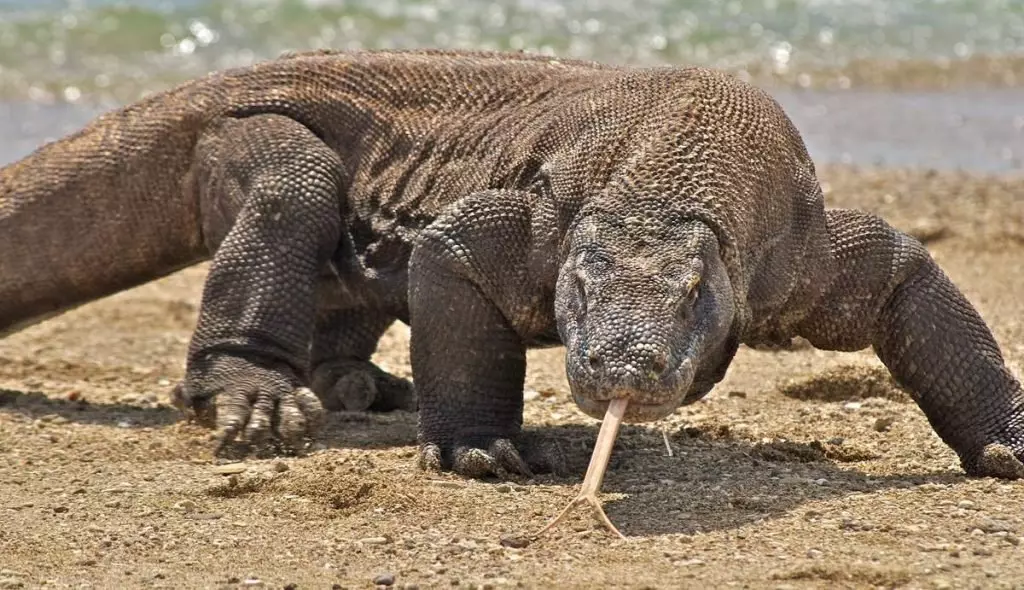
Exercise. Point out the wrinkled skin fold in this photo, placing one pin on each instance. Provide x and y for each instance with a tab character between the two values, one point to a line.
652	220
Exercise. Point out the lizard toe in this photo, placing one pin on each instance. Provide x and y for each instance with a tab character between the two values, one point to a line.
431	458
997	460
358	386
477	463
509	459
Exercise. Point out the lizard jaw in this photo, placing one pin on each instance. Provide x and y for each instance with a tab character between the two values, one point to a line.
644	406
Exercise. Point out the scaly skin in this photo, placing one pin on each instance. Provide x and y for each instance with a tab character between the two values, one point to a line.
650	219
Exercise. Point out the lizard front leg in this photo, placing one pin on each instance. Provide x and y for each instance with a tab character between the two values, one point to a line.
473	295
270	191
890	293
343	376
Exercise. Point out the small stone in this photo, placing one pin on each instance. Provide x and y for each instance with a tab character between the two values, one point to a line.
814	553
942	584
966	505
530	394
884	423
441	483
252	582
386	579
928	230
738	394
281	466
853	405
503	488
186	506
230	468
374	541
981	551
129	398
60	509
514	541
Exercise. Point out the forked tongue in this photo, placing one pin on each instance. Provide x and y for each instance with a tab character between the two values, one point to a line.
598	465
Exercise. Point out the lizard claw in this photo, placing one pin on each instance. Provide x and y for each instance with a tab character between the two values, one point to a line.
500	459
244	400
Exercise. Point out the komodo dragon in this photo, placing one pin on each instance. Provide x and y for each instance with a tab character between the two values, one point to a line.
649	219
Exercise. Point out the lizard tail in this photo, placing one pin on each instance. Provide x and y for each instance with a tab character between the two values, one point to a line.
107	208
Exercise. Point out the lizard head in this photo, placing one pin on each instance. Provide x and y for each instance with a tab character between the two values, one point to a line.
645	310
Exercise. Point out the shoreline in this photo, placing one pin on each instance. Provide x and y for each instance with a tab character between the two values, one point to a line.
979	72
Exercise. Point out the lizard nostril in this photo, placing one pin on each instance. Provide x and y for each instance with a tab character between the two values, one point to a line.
594	360
659	364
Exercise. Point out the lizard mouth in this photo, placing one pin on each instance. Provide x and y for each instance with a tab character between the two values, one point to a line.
645	405
636	412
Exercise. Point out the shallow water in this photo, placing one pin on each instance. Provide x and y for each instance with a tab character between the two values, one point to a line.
980	131
60	58
105	45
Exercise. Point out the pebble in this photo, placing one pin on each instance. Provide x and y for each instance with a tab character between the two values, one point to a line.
503	488
230	468
884	423
447	484
966	505
281	466
814	553
514	541
990	525
374	541
530	394
385	579
186	506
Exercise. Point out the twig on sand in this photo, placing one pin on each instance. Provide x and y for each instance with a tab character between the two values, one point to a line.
598	465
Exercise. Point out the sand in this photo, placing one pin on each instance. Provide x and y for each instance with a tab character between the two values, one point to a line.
803	469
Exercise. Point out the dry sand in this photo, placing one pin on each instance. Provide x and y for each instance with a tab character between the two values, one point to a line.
803	469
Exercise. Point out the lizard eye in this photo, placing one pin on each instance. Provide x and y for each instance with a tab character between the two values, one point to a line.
692	294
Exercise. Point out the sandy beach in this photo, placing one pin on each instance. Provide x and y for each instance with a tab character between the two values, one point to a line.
803	469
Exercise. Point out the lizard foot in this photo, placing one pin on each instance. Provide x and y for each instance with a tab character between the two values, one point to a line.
361	385
497	457
997	460
246	400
